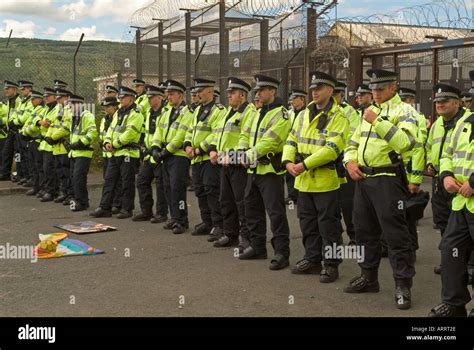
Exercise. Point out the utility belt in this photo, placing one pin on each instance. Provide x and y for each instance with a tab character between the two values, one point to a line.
395	169
368	170
273	159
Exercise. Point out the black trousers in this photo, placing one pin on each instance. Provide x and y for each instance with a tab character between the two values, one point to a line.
2	146
79	170
456	246
266	193
346	203
8	153
35	165
233	180
290	185
175	171
206	187
380	205
440	204
22	163
50	180
124	169
147	173
117	202
320	224
62	164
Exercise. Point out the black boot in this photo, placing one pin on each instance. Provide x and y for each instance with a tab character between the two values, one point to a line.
445	310
201	230
100	213
403	293
329	274
141	217
367	282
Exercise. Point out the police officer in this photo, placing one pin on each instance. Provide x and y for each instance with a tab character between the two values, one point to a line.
83	133
3	127
111	91
416	158
204	174
49	184
194	99
298	104
233	176
373	160
31	133
110	105
364	99
122	140
317	139
457	177
450	112
150	169
22	113
142	99
167	148
466	98
263	139
10	89
57	136
59	84
346	191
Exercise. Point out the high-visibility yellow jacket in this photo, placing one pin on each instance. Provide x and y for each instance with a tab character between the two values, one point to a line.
172	128
83	130
124	132
60	129
3	120
152	118
103	128
23	112
458	159
381	143
263	138
13	104
31	127
439	138
50	114
353	116
318	138
417	159
229	128
200	136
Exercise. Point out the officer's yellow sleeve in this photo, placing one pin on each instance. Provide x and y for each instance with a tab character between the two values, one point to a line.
89	126
428	146
33	129
354	120
3	114
291	146
446	161
210	141
351	151
335	142
177	141
245	132
63	129
272	140
417	162
132	130
401	137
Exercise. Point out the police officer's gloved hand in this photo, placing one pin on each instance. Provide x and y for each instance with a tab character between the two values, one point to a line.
76	145
164	154
11	124
67	145
155	153
49	140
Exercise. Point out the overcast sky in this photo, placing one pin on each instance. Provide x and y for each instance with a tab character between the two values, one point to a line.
107	19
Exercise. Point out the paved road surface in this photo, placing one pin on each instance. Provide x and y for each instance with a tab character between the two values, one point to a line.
162	269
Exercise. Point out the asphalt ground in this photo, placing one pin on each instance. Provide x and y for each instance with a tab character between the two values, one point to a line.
148	271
